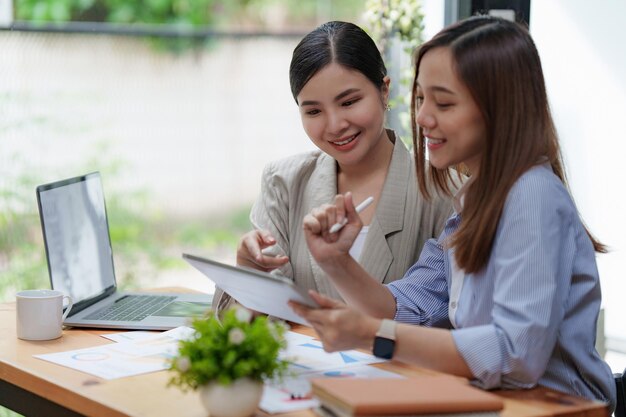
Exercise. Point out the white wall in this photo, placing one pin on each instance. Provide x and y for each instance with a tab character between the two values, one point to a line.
434	17
194	129
583	50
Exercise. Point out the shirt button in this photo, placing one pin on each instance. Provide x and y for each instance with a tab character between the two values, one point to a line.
453	304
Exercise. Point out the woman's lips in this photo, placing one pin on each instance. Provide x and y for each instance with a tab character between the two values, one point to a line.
434	143
346	143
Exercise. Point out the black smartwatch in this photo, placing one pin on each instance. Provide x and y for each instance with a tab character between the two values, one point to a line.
385	340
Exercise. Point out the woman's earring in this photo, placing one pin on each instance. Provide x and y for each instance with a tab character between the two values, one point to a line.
387	107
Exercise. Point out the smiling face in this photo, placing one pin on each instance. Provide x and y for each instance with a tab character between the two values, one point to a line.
451	121
343	113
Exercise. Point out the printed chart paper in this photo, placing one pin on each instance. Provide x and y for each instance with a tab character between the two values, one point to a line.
129	336
309	356
119	360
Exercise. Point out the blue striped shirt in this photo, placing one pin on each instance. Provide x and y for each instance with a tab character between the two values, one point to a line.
529	316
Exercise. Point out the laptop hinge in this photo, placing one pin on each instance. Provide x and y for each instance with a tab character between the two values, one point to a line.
81	305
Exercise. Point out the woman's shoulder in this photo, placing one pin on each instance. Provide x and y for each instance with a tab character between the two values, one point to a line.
540	187
540	177
295	165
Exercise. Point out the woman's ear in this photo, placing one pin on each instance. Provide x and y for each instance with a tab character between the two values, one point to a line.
385	90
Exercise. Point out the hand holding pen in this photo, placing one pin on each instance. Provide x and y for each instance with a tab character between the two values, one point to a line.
339	225
321	226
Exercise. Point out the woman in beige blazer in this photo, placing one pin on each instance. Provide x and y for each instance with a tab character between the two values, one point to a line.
340	84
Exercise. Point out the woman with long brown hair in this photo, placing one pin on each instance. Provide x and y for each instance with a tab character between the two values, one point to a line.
509	294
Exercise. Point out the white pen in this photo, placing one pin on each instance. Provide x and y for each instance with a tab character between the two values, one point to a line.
338	226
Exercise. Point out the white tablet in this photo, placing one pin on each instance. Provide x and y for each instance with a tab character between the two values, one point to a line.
256	290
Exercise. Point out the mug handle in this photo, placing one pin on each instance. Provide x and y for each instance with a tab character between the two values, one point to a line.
70	303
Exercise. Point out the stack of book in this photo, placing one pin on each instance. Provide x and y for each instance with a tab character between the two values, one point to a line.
427	395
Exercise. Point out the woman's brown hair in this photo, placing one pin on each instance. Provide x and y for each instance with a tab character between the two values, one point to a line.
498	62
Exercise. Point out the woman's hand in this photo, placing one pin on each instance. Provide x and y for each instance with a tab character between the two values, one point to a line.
249	251
338	326
329	247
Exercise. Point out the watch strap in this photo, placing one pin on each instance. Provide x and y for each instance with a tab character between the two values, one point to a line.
387	329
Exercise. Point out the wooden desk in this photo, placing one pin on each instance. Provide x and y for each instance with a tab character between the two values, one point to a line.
35	387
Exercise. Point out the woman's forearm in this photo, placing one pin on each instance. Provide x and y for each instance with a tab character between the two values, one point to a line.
431	348
426	347
359	289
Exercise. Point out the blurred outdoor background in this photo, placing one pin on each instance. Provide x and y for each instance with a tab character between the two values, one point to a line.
179	112
180	103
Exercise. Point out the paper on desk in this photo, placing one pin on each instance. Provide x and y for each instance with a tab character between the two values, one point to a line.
117	360
309	356
294	338
309	360
295	393
129	336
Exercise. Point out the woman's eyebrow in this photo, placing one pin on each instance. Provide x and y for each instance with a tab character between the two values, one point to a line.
435	89
345	93
309	103
337	97
441	89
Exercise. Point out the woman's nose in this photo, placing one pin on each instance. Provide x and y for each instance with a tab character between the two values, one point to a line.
424	118
336	123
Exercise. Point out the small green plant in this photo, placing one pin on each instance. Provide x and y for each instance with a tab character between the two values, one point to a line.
224	350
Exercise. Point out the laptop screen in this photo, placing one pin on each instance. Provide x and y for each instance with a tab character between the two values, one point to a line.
76	235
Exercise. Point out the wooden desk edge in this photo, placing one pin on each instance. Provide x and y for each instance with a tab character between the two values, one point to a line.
40	386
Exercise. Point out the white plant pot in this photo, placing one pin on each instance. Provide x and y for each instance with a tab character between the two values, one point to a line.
239	399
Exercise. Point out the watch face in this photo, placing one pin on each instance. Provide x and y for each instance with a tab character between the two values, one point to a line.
383	347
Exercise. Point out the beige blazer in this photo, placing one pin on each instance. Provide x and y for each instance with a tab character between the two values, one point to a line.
403	221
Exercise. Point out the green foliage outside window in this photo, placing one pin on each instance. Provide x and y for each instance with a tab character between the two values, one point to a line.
189	13
22	256
22	264
182	12
143	241
402	21
395	18
4	412
243	15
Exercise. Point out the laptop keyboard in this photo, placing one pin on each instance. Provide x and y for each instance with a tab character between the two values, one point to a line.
132	308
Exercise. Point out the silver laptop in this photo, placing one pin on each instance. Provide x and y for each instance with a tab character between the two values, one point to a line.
80	262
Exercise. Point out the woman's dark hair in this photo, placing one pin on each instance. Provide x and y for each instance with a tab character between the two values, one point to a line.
340	42
498	62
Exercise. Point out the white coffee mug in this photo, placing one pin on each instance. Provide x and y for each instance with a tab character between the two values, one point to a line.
40	314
